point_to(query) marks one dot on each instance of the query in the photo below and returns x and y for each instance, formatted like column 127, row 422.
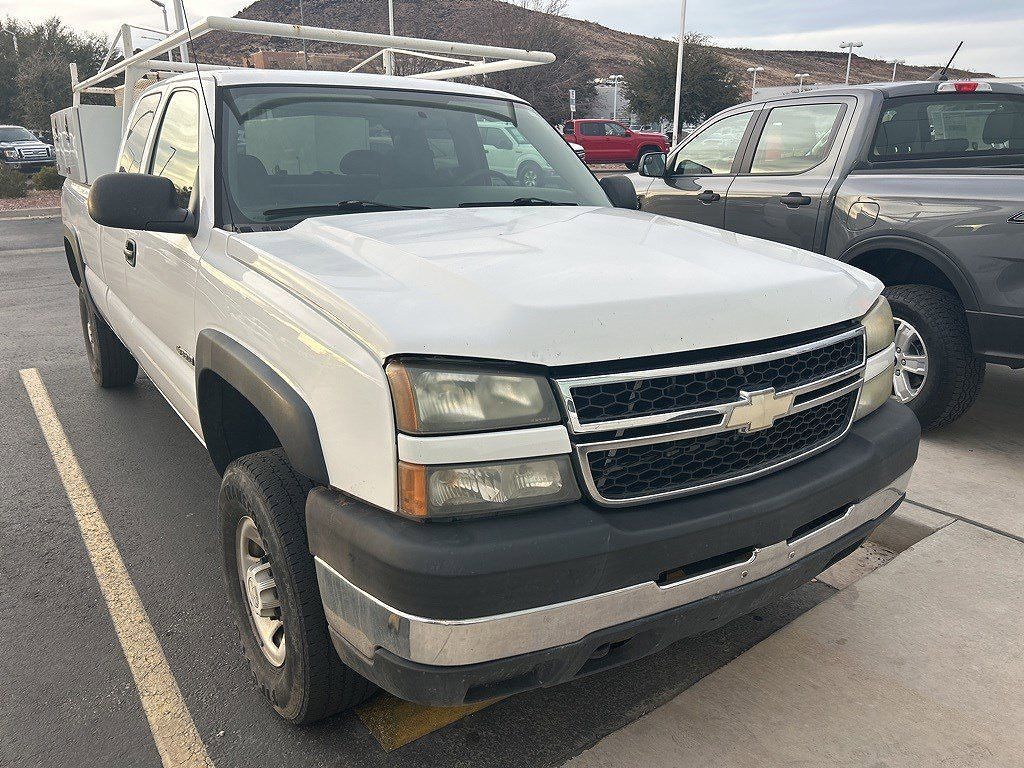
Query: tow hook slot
column 818, row 523
column 708, row 565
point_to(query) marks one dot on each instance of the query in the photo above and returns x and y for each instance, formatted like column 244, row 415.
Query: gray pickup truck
column 21, row 150
column 920, row 184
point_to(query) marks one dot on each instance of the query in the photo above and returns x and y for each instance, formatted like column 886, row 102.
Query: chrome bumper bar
column 366, row 623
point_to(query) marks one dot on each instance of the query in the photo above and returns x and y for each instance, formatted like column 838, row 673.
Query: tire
column 111, row 363
column 529, row 174
column 639, row 155
column 954, row 375
column 310, row 682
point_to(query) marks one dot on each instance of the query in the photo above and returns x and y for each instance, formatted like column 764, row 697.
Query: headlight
column 13, row 153
column 879, row 327
column 445, row 398
column 879, row 339
column 468, row 490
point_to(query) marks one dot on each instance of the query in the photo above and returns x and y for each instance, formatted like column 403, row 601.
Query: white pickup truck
column 478, row 433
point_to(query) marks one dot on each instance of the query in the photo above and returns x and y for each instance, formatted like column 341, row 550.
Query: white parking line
column 174, row 732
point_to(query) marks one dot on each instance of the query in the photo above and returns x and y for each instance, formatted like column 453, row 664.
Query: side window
column 592, row 129
column 496, row 138
column 130, row 160
column 176, row 156
column 950, row 125
column 797, row 138
column 614, row 129
column 713, row 150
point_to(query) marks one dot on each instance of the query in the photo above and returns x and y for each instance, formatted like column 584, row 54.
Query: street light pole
column 849, row 56
column 804, row 75
column 616, row 79
column 389, row 56
column 163, row 8
column 753, row 84
column 894, row 65
column 679, row 75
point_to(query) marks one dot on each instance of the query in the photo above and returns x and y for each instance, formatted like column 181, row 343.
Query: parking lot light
column 849, row 55
column 802, row 77
column 896, row 63
column 753, row 84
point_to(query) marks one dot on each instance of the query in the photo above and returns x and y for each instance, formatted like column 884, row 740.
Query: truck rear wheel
column 271, row 583
column 111, row 363
column 936, row 372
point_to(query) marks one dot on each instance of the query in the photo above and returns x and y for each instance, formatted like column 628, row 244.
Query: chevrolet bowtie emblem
column 760, row 410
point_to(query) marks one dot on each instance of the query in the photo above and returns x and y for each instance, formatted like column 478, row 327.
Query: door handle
column 129, row 251
column 707, row 197
column 793, row 199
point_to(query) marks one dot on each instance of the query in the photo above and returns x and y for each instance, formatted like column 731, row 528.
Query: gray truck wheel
column 111, row 363
column 530, row 174
column 936, row 372
column 271, row 583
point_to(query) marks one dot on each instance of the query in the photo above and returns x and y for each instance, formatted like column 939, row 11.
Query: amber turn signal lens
column 412, row 489
column 405, row 406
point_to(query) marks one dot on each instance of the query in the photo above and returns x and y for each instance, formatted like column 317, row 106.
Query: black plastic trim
column 997, row 338
column 282, row 407
column 473, row 568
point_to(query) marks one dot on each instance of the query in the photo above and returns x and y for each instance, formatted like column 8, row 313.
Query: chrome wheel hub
column 911, row 368
column 530, row 177
column 256, row 577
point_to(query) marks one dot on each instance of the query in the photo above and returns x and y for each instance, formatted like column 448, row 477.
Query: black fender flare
column 926, row 251
column 76, row 263
column 285, row 411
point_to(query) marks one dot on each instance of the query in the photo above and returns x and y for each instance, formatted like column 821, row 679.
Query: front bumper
column 28, row 166
column 407, row 604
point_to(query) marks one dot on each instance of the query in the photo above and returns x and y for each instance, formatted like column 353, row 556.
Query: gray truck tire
column 954, row 374
column 263, row 520
column 111, row 363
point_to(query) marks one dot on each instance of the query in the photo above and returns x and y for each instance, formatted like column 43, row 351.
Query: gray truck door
column 700, row 172
column 786, row 170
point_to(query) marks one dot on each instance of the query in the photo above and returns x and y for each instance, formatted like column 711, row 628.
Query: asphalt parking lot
column 69, row 696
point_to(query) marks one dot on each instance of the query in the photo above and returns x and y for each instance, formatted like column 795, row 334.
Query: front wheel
column 110, row 362
column 271, row 583
column 936, row 372
column 529, row 174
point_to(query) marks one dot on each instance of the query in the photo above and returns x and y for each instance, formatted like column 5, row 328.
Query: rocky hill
column 612, row 51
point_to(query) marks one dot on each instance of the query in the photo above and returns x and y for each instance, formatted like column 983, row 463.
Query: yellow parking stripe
column 174, row 732
column 395, row 723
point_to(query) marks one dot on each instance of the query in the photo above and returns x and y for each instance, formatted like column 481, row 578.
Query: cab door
column 500, row 151
column 699, row 173
column 618, row 143
column 161, row 269
column 778, row 194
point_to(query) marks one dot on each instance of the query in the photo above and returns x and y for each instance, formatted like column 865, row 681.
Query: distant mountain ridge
column 611, row 50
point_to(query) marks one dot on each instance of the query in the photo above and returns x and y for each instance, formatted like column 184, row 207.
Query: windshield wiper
column 345, row 206
column 517, row 201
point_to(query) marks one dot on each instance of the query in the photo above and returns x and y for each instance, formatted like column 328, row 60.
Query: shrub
column 12, row 182
column 47, row 178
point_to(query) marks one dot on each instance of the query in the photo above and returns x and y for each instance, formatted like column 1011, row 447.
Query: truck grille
column 649, row 470
column 34, row 154
column 675, row 431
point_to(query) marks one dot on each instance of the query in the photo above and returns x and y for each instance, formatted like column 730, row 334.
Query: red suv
column 608, row 141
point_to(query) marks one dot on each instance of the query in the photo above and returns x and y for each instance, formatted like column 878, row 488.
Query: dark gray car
column 921, row 184
column 20, row 149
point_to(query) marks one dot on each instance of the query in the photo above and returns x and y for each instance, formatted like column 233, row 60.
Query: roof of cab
column 249, row 76
column 886, row 89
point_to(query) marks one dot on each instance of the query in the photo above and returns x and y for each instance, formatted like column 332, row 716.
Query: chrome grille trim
column 565, row 386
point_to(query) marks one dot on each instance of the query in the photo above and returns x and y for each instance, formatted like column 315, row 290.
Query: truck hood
column 551, row 285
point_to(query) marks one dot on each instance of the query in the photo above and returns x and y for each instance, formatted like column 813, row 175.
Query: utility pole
column 615, row 80
column 753, row 84
column 895, row 63
column 804, row 75
column 302, row 23
column 849, row 55
column 679, row 75
column 14, row 38
column 389, row 56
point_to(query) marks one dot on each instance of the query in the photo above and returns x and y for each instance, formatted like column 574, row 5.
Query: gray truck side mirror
column 653, row 164
column 621, row 192
column 139, row 201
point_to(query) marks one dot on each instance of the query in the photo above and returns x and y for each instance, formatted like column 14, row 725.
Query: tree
column 37, row 82
column 709, row 86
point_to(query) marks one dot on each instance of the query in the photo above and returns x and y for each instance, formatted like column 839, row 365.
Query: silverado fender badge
column 188, row 358
column 1017, row 218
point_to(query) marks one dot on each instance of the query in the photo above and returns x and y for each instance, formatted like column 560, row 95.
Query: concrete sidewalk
column 917, row 664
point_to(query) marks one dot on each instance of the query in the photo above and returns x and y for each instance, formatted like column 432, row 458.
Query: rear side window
column 950, row 125
column 130, row 160
column 797, row 138
column 592, row 129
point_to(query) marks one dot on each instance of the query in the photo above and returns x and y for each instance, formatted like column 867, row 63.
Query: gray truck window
column 950, row 125
column 290, row 152
column 130, row 160
column 176, row 156
column 713, row 150
column 796, row 138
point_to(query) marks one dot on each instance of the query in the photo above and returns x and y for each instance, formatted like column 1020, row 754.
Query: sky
column 920, row 31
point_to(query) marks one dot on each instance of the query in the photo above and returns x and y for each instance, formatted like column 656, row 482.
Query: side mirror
column 653, row 165
column 621, row 192
column 139, row 201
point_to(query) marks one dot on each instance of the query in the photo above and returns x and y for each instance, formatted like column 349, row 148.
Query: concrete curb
column 30, row 213
column 908, row 525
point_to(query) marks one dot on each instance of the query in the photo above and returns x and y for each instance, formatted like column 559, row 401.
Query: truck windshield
column 291, row 152
column 16, row 133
